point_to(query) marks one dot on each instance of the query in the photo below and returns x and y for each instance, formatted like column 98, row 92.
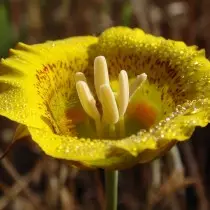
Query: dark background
column 33, row 181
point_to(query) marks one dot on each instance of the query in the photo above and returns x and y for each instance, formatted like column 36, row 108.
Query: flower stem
column 111, row 181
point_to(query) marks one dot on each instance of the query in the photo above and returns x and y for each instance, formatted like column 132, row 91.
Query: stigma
column 113, row 104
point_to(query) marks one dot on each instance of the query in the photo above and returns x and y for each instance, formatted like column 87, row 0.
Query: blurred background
column 33, row 181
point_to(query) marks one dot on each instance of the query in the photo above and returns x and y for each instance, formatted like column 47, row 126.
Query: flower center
column 109, row 113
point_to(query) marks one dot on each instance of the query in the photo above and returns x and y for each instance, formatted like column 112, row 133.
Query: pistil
column 114, row 104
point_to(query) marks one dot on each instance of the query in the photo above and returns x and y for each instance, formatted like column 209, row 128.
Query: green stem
column 111, row 180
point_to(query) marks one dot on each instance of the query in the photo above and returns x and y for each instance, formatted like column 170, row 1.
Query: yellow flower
column 153, row 94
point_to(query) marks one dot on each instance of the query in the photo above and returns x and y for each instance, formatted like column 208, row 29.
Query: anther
column 140, row 79
column 87, row 100
column 101, row 75
column 123, row 94
column 109, row 105
column 79, row 76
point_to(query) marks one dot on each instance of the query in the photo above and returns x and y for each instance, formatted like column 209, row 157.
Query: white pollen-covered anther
column 79, row 76
column 87, row 100
column 140, row 79
column 123, row 93
column 109, row 105
column 101, row 74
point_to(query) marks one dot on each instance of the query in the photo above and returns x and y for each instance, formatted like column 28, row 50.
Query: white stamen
column 109, row 105
column 123, row 94
column 114, row 105
column 101, row 75
column 137, row 83
column 79, row 76
column 87, row 100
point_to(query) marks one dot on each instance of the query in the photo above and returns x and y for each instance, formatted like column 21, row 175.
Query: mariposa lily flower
column 110, row 101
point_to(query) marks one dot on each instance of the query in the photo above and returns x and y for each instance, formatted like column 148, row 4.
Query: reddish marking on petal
column 76, row 115
column 45, row 69
column 144, row 113
column 37, row 76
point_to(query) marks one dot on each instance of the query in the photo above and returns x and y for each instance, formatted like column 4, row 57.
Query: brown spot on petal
column 77, row 115
column 144, row 113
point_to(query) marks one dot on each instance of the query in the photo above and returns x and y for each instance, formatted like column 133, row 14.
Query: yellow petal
column 21, row 132
column 180, row 76
column 38, row 78
column 92, row 152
